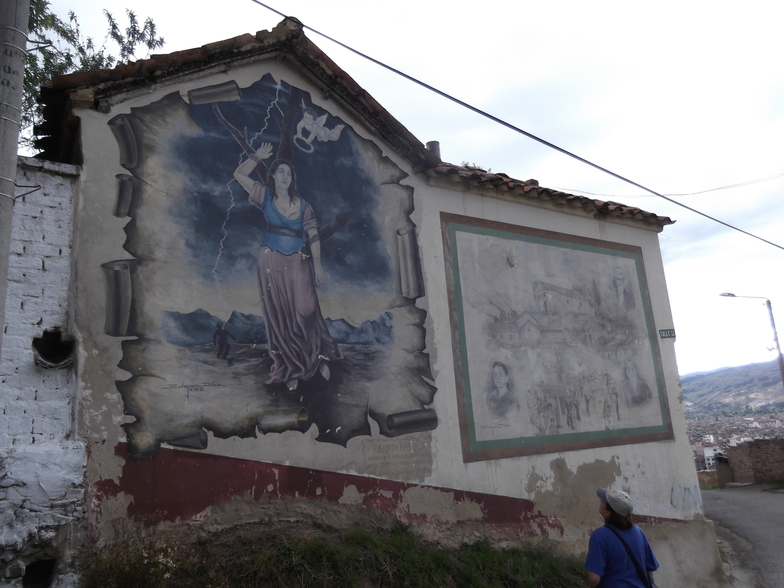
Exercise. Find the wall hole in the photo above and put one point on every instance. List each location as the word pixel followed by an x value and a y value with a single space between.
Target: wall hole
pixel 51 350
pixel 39 574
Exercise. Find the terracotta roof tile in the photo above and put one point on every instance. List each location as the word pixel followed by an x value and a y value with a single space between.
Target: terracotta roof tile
pixel 532 190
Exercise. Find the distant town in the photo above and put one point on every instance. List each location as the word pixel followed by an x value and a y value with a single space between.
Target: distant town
pixel 710 436
pixel 731 406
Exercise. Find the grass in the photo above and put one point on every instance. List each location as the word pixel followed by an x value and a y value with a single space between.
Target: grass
pixel 324 557
pixel 776 487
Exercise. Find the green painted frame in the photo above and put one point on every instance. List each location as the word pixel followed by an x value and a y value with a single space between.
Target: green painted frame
pixel 475 449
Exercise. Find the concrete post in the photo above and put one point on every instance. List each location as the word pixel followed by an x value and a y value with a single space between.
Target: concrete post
pixel 14 15
pixel 776 339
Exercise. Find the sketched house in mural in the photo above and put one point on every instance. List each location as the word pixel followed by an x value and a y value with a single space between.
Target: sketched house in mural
pixel 556 300
pixel 281 295
pixel 513 329
pixel 529 331
pixel 568 313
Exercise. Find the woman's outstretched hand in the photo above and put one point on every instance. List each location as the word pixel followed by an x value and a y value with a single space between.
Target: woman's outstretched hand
pixel 264 151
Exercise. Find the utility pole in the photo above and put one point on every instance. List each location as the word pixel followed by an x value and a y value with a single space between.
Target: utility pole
pixel 772 325
pixel 14 15
pixel 776 340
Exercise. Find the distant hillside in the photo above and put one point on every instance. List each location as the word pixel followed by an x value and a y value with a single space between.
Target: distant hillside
pixel 748 387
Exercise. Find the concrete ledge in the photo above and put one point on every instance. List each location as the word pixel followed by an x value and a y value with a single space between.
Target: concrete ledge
pixel 688 554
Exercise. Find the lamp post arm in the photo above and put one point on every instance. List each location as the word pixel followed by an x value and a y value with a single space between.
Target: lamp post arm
pixel 776 340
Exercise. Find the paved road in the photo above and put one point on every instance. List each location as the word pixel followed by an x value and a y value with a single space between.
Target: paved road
pixel 757 517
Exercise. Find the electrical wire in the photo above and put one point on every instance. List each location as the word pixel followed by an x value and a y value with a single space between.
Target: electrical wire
pixel 728 187
pixel 516 129
pixel 713 395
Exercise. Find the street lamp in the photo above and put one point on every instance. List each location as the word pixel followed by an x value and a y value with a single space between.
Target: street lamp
pixel 772 324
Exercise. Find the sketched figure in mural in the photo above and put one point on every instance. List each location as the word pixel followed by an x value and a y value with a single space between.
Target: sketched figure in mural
pixel 221 341
pixel 611 411
pixel 622 290
pixel 543 410
pixel 635 391
pixel 288 270
pixel 500 398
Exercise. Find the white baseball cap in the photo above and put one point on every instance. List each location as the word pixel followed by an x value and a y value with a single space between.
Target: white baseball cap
pixel 618 500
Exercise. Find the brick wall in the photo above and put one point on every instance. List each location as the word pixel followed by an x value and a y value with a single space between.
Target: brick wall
pixel 758 461
pixel 41 463
pixel 707 479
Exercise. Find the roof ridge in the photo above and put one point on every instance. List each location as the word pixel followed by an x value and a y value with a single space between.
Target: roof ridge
pixel 531 189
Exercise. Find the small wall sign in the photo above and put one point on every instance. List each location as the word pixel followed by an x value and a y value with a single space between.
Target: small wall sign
pixel 667 333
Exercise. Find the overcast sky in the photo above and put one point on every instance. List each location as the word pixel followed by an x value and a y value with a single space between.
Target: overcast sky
pixel 680 97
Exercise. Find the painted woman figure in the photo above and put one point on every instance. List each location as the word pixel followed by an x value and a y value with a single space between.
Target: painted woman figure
pixel 635 391
pixel 500 398
pixel 288 271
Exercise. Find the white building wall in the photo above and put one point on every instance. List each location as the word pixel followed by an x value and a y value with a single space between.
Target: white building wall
pixel 649 471
pixel 41 463
pixel 660 475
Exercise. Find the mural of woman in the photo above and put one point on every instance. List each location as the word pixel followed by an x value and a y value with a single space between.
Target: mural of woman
pixel 500 398
pixel 635 391
pixel 288 269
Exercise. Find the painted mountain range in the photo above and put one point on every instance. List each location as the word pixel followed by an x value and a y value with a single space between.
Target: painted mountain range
pixel 198 327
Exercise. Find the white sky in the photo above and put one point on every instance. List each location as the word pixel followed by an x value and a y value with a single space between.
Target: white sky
pixel 677 96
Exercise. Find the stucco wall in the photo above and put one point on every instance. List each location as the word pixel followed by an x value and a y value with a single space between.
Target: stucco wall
pixel 41 459
pixel 421 476
pixel 638 468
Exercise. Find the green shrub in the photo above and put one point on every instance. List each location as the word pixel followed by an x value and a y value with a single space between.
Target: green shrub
pixel 320 556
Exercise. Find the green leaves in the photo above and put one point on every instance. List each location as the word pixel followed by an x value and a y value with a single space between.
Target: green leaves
pixel 58 47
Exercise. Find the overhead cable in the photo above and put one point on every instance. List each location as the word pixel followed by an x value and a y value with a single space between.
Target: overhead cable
pixel 516 129
pixel 728 187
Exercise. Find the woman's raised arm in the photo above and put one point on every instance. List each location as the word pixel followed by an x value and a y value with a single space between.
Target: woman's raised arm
pixel 243 171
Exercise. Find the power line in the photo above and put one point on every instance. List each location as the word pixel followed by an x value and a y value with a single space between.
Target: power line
pixel 516 129
pixel 728 187
pixel 713 395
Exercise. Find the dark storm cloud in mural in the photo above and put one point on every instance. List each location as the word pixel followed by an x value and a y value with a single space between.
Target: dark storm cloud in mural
pixel 328 179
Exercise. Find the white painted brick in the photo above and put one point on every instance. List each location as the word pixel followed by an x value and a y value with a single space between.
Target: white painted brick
pixel 24 263
pixel 22 426
pixel 17 288
pixel 54 396
pixel 43 249
pixel 32 305
pixel 14 410
pixel 39 464
pixel 14 341
pixel 58 264
pixel 17 247
pixel 42 410
pixel 57 234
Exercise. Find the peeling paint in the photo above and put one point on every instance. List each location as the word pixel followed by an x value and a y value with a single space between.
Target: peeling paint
pixel 571 496
pixel 429 503
pixel 351 496
pixel 179 485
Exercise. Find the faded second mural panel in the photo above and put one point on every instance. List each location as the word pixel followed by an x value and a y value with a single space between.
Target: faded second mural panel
pixel 270 280
pixel 553 339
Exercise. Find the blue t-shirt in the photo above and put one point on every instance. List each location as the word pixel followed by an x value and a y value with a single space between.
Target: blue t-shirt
pixel 607 558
